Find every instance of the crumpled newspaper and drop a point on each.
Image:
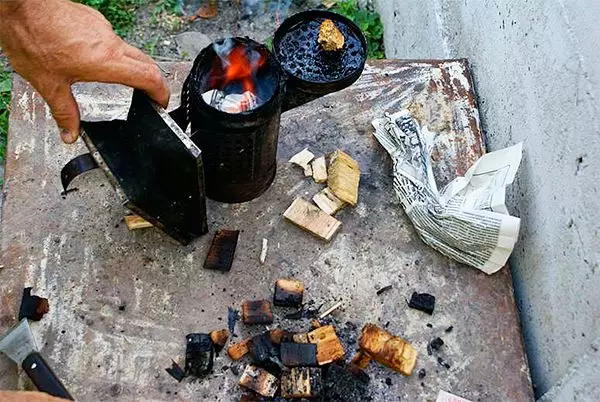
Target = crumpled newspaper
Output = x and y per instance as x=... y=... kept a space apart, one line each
x=232 y=103
x=467 y=220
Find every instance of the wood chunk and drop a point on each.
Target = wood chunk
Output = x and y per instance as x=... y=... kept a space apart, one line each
x=344 y=177
x=134 y=222
x=264 y=352
x=277 y=335
x=259 y=381
x=319 y=170
x=312 y=219
x=288 y=293
x=389 y=350
x=302 y=382
x=361 y=359
x=298 y=354
x=303 y=159
x=329 y=347
x=239 y=350
x=199 y=355
x=222 y=250
x=328 y=202
x=300 y=338
x=422 y=301
x=219 y=339
x=330 y=38
x=257 y=312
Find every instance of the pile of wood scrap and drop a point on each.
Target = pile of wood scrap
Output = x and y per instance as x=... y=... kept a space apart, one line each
x=342 y=176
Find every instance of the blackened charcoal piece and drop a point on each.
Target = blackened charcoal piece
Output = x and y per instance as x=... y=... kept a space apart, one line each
x=32 y=307
x=199 y=355
x=298 y=354
x=302 y=382
x=345 y=383
x=435 y=344
x=422 y=301
x=176 y=372
x=265 y=353
x=288 y=293
x=257 y=312
x=222 y=250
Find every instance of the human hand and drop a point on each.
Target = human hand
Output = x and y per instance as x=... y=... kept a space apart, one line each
x=55 y=43
x=27 y=396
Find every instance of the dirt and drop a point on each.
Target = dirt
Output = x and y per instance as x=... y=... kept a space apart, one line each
x=155 y=32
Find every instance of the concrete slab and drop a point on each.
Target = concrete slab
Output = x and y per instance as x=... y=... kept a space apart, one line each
x=122 y=302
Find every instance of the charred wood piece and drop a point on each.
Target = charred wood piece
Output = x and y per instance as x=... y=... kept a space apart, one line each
x=298 y=354
x=199 y=355
x=302 y=382
x=329 y=347
x=32 y=307
x=222 y=250
x=389 y=350
x=435 y=344
x=265 y=353
x=219 y=339
x=239 y=350
x=260 y=381
x=257 y=312
x=288 y=293
x=422 y=301
x=175 y=371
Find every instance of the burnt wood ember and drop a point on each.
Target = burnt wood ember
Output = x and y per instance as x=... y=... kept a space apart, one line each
x=389 y=350
x=298 y=354
x=345 y=383
x=199 y=355
x=265 y=353
x=219 y=339
x=222 y=250
x=32 y=307
x=257 y=312
x=288 y=293
x=435 y=344
x=175 y=371
x=422 y=301
x=239 y=350
x=259 y=380
x=329 y=347
x=302 y=382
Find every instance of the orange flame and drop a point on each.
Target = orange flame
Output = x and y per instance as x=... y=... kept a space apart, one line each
x=241 y=66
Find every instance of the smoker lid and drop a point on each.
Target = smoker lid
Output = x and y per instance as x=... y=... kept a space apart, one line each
x=156 y=169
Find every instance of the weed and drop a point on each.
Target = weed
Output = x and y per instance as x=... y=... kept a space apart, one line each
x=120 y=13
x=368 y=22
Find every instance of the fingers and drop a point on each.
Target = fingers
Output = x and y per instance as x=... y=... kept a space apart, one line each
x=64 y=110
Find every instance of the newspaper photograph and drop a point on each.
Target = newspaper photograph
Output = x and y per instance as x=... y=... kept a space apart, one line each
x=467 y=220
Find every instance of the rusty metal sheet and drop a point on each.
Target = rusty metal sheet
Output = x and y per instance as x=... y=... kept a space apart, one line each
x=122 y=302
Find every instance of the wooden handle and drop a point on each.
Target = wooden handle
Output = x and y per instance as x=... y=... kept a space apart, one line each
x=43 y=377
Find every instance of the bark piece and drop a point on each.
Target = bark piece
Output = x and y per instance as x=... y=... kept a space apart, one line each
x=288 y=293
x=329 y=347
x=389 y=350
x=219 y=339
x=328 y=202
x=238 y=350
x=298 y=354
x=302 y=382
x=344 y=177
x=134 y=222
x=259 y=381
x=312 y=219
x=330 y=38
x=257 y=312
x=303 y=159
x=222 y=250
x=319 y=170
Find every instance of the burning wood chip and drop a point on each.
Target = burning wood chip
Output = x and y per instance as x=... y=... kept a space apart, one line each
x=288 y=293
x=239 y=350
x=319 y=170
x=344 y=177
x=302 y=383
x=303 y=159
x=298 y=354
x=330 y=37
x=328 y=202
x=32 y=307
x=219 y=339
x=257 y=312
x=389 y=350
x=422 y=301
x=134 y=222
x=312 y=219
x=222 y=250
x=199 y=355
x=259 y=381
x=263 y=251
x=329 y=347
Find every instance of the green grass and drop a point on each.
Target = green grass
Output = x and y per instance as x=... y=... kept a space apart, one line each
x=120 y=13
x=5 y=84
x=369 y=22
